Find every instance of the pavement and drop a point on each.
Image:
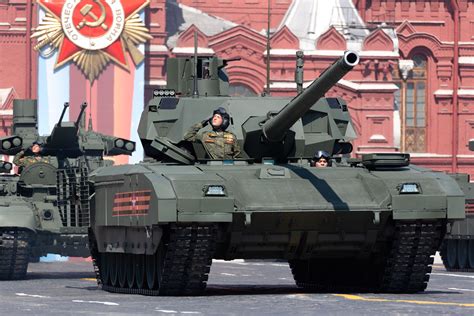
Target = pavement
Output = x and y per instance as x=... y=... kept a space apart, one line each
x=235 y=288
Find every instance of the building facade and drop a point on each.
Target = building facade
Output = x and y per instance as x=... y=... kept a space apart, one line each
x=411 y=91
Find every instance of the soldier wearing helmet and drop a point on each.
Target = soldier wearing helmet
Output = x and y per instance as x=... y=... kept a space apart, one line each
x=219 y=143
x=33 y=155
x=321 y=159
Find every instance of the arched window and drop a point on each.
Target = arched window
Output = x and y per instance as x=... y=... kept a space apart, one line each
x=415 y=107
x=412 y=100
x=241 y=90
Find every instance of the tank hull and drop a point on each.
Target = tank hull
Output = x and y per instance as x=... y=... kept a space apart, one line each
x=308 y=216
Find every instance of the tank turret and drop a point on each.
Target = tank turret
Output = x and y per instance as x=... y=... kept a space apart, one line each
x=275 y=128
x=71 y=140
x=272 y=127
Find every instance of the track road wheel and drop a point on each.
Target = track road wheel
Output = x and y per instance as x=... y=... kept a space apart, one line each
x=452 y=253
x=113 y=267
x=105 y=268
x=151 y=268
x=180 y=266
x=122 y=270
x=462 y=253
x=130 y=269
x=471 y=253
x=139 y=263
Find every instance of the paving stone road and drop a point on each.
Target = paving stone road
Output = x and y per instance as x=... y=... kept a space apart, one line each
x=235 y=288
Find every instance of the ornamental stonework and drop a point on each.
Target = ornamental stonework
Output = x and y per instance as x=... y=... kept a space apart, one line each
x=92 y=33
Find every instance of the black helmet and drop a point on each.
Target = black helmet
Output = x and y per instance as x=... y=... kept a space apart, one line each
x=37 y=142
x=321 y=154
x=225 y=118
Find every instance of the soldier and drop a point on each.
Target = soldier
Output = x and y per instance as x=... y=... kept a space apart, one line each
x=321 y=159
x=22 y=160
x=219 y=143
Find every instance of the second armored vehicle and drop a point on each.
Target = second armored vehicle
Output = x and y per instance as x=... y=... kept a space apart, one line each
x=45 y=209
x=371 y=224
x=457 y=250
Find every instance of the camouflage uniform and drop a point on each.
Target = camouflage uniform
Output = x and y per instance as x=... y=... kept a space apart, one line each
x=23 y=161
x=218 y=144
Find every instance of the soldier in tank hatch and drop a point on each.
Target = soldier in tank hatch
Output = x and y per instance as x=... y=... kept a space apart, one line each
x=219 y=143
x=321 y=159
x=32 y=155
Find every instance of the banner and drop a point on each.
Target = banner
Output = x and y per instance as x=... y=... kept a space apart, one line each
x=92 y=51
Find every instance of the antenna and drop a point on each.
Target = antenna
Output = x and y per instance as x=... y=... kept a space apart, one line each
x=195 y=83
x=268 y=49
x=90 y=121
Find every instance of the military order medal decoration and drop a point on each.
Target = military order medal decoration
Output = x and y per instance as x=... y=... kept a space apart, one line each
x=92 y=33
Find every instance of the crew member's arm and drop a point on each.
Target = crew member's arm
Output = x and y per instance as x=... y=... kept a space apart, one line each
x=236 y=148
x=19 y=159
x=192 y=135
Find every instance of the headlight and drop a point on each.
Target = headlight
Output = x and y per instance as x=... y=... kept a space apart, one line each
x=409 y=188
x=16 y=141
x=119 y=143
x=130 y=146
x=214 y=190
x=6 y=145
x=164 y=93
x=6 y=165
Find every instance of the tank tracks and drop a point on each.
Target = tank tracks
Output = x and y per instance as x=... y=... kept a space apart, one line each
x=405 y=269
x=453 y=261
x=15 y=248
x=183 y=261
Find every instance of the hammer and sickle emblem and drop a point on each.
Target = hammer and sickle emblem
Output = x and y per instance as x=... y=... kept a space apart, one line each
x=86 y=10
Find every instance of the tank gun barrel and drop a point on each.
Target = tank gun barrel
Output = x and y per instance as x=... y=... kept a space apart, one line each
x=275 y=128
x=79 y=117
x=66 y=105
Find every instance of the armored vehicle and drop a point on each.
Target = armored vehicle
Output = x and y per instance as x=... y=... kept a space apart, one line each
x=457 y=250
x=372 y=223
x=45 y=208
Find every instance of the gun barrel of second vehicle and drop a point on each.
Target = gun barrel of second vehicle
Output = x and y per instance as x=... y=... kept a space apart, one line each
x=66 y=105
x=79 y=117
x=275 y=128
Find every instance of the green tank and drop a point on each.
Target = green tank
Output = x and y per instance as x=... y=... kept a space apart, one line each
x=371 y=224
x=457 y=249
x=45 y=209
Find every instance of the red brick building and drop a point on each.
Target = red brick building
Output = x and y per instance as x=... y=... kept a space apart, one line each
x=411 y=91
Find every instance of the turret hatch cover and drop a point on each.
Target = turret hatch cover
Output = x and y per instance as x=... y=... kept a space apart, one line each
x=164 y=145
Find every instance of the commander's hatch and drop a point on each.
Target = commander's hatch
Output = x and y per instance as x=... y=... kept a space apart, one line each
x=170 y=150
x=378 y=161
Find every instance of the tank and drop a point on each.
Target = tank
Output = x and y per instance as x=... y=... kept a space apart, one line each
x=45 y=208
x=371 y=223
x=457 y=249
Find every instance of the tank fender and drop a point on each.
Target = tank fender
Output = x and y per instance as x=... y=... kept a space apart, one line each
x=134 y=240
x=455 y=196
x=127 y=182
x=17 y=215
